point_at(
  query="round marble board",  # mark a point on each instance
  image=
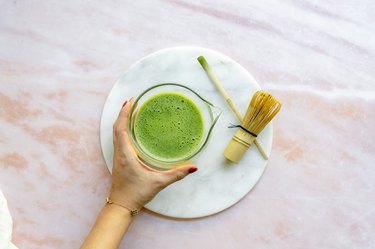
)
(218, 184)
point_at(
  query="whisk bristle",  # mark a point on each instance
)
(262, 109)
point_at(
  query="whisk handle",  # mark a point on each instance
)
(237, 147)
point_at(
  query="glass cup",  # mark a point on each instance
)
(210, 114)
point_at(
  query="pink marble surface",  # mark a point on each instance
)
(59, 59)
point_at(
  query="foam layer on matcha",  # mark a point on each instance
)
(169, 126)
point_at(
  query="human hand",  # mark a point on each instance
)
(133, 183)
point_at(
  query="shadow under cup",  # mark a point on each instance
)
(210, 115)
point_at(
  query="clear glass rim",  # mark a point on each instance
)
(169, 162)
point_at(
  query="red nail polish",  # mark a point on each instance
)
(125, 103)
(192, 170)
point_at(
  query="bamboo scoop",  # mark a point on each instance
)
(224, 93)
(262, 108)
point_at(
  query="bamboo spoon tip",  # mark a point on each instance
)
(201, 58)
(202, 61)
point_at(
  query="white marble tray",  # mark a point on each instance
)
(217, 184)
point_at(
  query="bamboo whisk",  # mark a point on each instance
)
(262, 109)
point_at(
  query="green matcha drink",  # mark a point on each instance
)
(169, 126)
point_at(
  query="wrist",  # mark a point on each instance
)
(132, 211)
(124, 198)
(117, 212)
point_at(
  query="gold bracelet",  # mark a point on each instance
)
(133, 211)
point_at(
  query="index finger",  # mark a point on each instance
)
(121, 135)
(122, 119)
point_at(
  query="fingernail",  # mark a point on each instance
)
(125, 103)
(192, 170)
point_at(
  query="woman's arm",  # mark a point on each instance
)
(109, 229)
(133, 186)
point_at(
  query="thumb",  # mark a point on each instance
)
(178, 173)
